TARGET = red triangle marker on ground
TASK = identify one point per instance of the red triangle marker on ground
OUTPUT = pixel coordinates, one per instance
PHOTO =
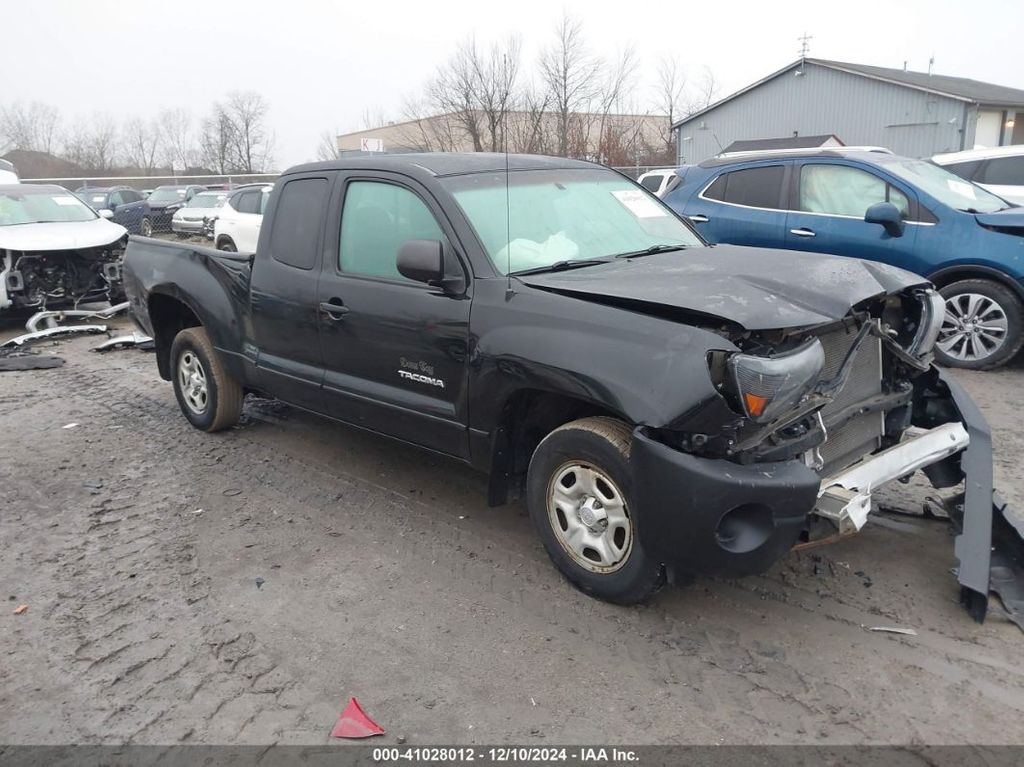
(354, 723)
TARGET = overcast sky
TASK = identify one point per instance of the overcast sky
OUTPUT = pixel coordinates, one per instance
(323, 64)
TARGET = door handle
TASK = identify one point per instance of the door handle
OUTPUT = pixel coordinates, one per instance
(802, 232)
(700, 218)
(335, 311)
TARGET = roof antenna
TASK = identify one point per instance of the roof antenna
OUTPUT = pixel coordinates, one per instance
(509, 292)
(931, 63)
(805, 46)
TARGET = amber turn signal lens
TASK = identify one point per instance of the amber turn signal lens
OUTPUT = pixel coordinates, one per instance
(755, 404)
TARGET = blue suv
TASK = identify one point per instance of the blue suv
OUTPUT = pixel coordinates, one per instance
(880, 207)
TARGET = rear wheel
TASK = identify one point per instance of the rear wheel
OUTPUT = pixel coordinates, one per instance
(209, 397)
(578, 493)
(982, 326)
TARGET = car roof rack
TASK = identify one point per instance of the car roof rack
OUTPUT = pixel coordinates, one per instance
(803, 151)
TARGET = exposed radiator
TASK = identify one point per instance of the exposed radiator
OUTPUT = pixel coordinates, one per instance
(863, 434)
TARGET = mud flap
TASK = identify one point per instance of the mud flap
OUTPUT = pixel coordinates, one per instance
(990, 541)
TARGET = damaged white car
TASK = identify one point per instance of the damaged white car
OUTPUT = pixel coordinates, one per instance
(55, 250)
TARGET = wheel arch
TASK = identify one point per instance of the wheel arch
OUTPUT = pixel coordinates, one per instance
(527, 416)
(952, 274)
(169, 315)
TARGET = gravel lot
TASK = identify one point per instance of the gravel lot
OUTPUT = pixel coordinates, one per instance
(137, 543)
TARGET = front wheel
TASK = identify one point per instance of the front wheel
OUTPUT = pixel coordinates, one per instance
(146, 227)
(982, 326)
(226, 245)
(578, 493)
(209, 397)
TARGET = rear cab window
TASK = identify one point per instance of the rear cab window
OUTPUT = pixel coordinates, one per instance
(758, 187)
(295, 238)
(1003, 171)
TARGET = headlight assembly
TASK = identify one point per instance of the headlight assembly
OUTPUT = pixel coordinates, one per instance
(768, 386)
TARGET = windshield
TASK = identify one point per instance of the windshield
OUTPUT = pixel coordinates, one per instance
(205, 200)
(167, 195)
(945, 187)
(563, 215)
(34, 207)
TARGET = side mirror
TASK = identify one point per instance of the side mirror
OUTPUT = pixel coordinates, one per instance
(423, 261)
(888, 215)
(106, 213)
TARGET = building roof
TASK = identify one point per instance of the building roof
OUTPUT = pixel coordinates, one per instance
(446, 163)
(789, 142)
(960, 88)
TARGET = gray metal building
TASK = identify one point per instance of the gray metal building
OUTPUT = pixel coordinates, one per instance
(912, 113)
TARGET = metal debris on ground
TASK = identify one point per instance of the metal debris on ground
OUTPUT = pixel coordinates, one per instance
(259, 583)
(135, 339)
(71, 425)
(355, 723)
(52, 319)
(894, 630)
(62, 330)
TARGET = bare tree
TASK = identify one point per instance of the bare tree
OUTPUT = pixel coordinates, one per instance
(671, 87)
(616, 130)
(218, 141)
(180, 150)
(453, 92)
(567, 71)
(704, 93)
(94, 144)
(33, 126)
(252, 143)
(327, 149)
(143, 143)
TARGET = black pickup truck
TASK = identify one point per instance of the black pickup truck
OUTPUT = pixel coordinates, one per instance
(662, 405)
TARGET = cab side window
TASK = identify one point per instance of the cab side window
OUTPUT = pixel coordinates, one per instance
(840, 190)
(751, 187)
(115, 199)
(376, 219)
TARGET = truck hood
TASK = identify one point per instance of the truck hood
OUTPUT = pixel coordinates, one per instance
(64, 235)
(756, 288)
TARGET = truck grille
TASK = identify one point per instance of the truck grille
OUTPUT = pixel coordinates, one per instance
(863, 434)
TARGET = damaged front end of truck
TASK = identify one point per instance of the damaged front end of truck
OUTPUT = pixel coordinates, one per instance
(821, 417)
(820, 390)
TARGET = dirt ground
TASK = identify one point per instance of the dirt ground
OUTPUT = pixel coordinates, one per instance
(237, 588)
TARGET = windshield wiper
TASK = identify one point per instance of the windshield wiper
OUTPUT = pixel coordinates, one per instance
(561, 266)
(652, 250)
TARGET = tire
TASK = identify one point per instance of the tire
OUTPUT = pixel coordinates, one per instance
(961, 343)
(604, 559)
(220, 403)
(146, 227)
(226, 244)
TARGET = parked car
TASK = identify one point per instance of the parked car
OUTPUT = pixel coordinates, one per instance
(8, 173)
(55, 250)
(1000, 170)
(198, 213)
(122, 204)
(166, 200)
(237, 227)
(657, 402)
(881, 207)
(659, 182)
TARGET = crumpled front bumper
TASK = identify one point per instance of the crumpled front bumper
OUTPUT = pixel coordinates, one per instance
(715, 517)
